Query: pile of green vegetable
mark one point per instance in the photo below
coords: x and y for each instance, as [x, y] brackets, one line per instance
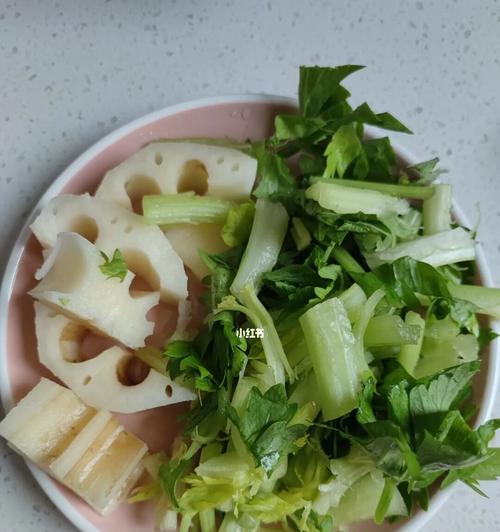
[357, 400]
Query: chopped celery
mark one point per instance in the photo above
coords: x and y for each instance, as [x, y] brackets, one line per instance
[261, 319]
[448, 247]
[207, 520]
[300, 234]
[295, 348]
[332, 348]
[366, 313]
[361, 502]
[306, 392]
[353, 298]
[485, 298]
[400, 191]
[230, 524]
[384, 503]
[238, 224]
[167, 520]
[167, 209]
[271, 507]
[186, 522]
[409, 354]
[444, 347]
[347, 200]
[346, 471]
[245, 384]
[390, 330]
[346, 260]
[437, 210]
[266, 238]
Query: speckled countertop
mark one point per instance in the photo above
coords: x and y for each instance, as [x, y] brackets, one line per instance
[70, 72]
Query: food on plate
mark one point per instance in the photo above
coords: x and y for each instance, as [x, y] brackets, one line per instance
[173, 167]
[145, 249]
[72, 281]
[97, 380]
[331, 378]
[187, 239]
[85, 449]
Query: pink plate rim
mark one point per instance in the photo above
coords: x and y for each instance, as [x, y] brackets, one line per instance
[47, 485]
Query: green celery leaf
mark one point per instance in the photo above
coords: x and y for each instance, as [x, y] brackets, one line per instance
[169, 475]
[365, 413]
[426, 171]
[398, 406]
[403, 279]
[114, 267]
[342, 150]
[431, 401]
[291, 127]
[365, 115]
[264, 426]
[486, 335]
[488, 469]
[389, 448]
[455, 445]
[380, 158]
[319, 88]
[185, 361]
[223, 267]
[276, 180]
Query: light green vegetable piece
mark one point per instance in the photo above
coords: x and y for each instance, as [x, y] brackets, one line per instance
[335, 357]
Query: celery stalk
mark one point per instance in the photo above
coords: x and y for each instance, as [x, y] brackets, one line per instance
[362, 500]
[346, 260]
[269, 228]
[436, 210]
[207, 520]
[229, 524]
[390, 330]
[409, 354]
[261, 319]
[166, 209]
[332, 348]
[448, 247]
[347, 200]
[186, 522]
[353, 298]
[300, 234]
[400, 191]
[444, 346]
[485, 298]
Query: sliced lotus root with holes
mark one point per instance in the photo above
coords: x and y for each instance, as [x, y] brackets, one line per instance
[175, 167]
[147, 251]
[72, 282]
[172, 167]
[98, 381]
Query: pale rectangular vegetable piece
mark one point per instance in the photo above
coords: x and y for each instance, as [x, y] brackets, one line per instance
[447, 247]
[86, 450]
[346, 200]
[332, 348]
